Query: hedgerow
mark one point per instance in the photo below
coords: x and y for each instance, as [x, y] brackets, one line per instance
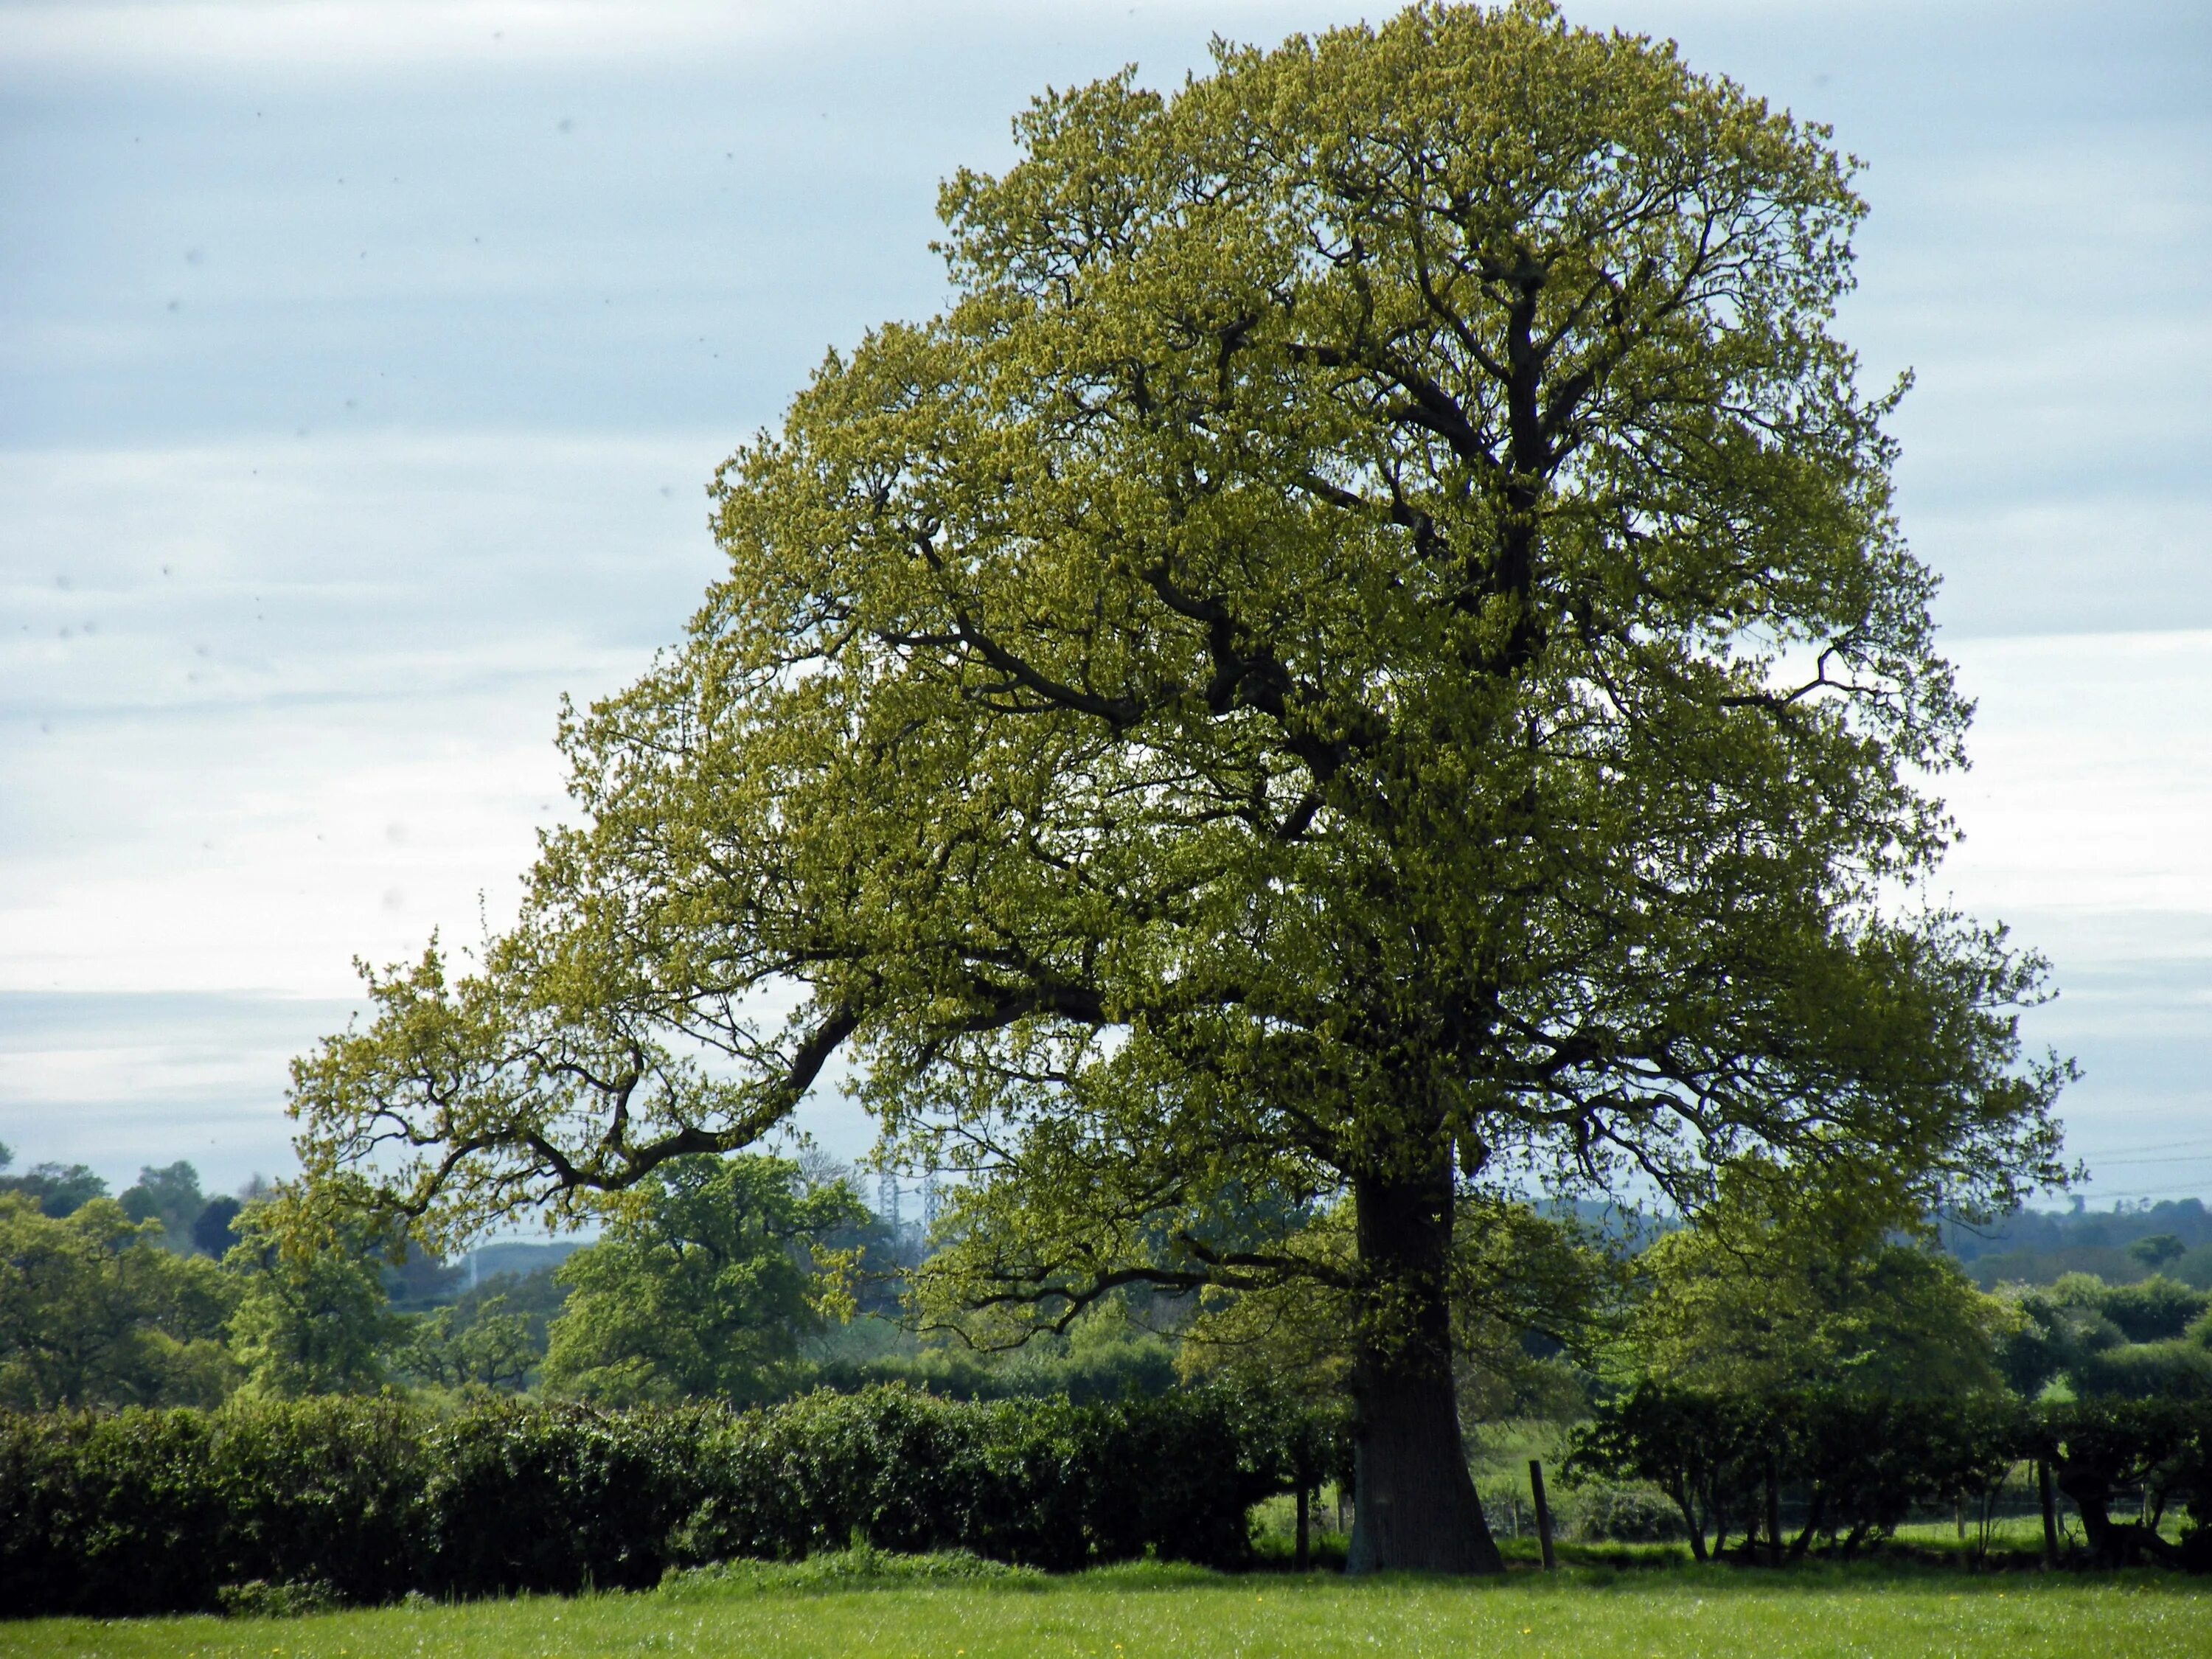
[1853, 1465]
[144, 1511]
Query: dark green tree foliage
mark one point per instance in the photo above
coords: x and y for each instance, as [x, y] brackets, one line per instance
[214, 1231]
[1861, 1463]
[493, 1336]
[2139, 1341]
[58, 1189]
[2154, 1309]
[2156, 1249]
[702, 1285]
[2100, 1449]
[414, 1278]
[487, 1346]
[1369, 640]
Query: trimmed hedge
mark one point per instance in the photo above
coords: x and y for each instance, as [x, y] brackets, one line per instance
[156, 1512]
[1854, 1464]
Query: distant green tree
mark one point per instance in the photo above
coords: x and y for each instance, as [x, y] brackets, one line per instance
[93, 1312]
[418, 1279]
[1762, 1293]
[537, 1296]
[2155, 1251]
[212, 1232]
[312, 1316]
[171, 1196]
[2134, 1341]
[58, 1189]
[488, 1345]
[704, 1281]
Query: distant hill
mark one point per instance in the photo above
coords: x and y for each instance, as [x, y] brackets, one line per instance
[2121, 1245]
[2034, 1246]
[519, 1255]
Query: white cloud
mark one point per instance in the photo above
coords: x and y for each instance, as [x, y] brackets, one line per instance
[2091, 791]
[269, 705]
[379, 33]
[358, 35]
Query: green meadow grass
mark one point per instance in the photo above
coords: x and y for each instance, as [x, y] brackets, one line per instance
[895, 1610]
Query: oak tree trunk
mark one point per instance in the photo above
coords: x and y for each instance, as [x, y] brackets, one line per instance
[1415, 1506]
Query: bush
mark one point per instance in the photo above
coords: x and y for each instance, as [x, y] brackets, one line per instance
[365, 1501]
[259, 1599]
[2147, 1370]
[1601, 1512]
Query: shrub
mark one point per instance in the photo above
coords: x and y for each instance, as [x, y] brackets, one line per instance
[257, 1598]
[1603, 1512]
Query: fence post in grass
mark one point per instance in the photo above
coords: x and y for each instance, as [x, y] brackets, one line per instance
[1773, 1516]
[2049, 1512]
[1543, 1513]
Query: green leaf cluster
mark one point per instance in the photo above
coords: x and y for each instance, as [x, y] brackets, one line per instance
[1769, 1290]
[704, 1282]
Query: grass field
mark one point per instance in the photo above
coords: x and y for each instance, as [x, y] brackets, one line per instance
[1126, 1612]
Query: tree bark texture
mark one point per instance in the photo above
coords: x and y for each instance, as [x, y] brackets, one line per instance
[1415, 1506]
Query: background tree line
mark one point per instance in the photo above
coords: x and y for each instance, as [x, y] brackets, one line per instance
[751, 1277]
[737, 1279]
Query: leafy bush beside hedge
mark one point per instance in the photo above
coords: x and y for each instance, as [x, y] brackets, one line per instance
[152, 1512]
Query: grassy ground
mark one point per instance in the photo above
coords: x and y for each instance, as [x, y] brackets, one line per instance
[822, 1609]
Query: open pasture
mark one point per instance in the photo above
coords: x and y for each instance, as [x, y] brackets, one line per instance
[770, 1613]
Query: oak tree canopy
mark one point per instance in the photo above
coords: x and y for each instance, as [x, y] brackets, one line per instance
[1365, 660]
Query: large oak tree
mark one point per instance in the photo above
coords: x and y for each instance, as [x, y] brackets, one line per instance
[1364, 660]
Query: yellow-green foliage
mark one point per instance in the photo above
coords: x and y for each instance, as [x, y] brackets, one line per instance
[1770, 1289]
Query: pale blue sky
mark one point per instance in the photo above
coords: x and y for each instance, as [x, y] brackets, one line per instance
[361, 365]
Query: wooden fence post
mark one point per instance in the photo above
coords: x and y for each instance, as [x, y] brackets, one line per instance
[1543, 1513]
[1773, 1516]
[2049, 1512]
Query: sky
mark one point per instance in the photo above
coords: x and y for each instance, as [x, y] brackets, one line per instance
[363, 362]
